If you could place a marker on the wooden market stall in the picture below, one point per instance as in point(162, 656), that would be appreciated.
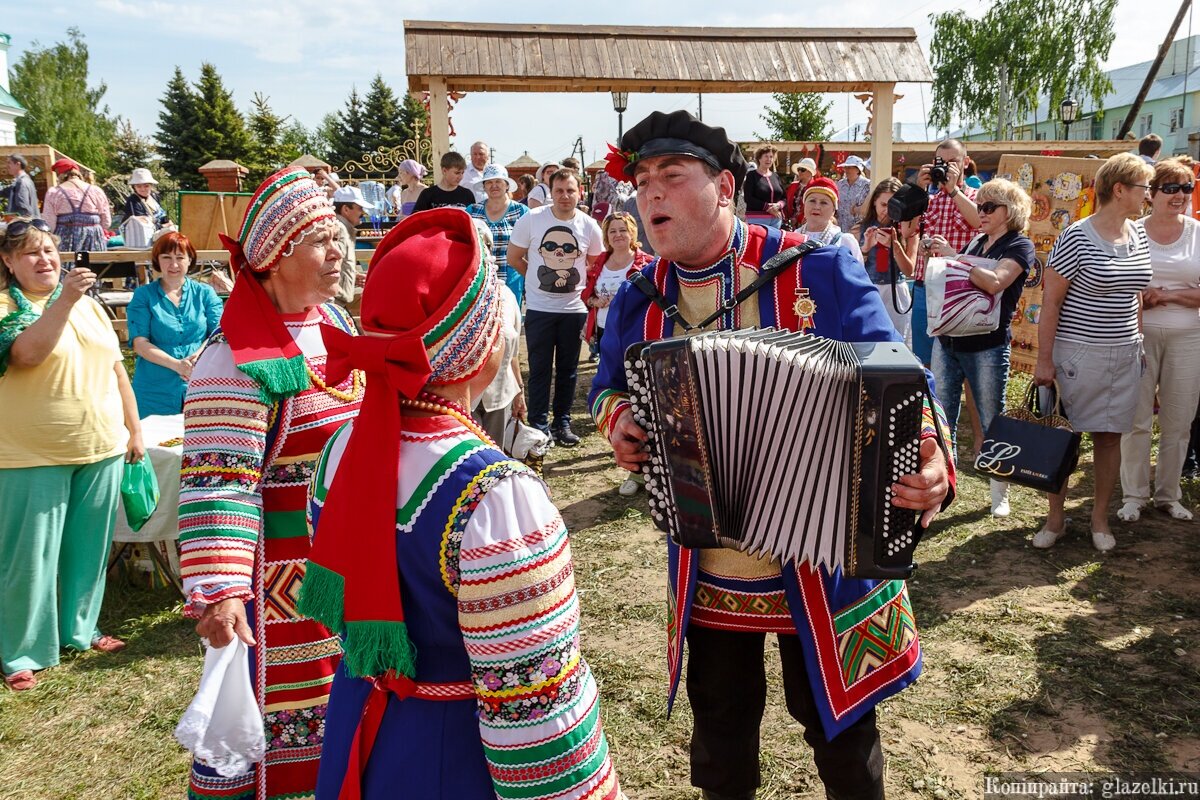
point(447, 59)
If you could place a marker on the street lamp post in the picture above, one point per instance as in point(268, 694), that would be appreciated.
point(620, 103)
point(1068, 111)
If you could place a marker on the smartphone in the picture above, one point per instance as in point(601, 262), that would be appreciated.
point(83, 259)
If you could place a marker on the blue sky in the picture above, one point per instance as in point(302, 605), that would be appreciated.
point(305, 55)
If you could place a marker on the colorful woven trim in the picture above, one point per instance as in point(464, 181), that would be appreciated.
point(460, 344)
point(284, 207)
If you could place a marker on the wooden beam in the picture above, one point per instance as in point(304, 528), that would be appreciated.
point(643, 31)
point(439, 119)
point(482, 83)
point(883, 102)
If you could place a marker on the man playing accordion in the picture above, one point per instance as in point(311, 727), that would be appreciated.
point(845, 644)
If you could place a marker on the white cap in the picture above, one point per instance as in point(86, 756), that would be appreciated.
point(351, 194)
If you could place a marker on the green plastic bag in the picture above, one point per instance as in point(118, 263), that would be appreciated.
point(139, 492)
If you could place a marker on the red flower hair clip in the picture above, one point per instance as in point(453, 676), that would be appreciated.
point(617, 161)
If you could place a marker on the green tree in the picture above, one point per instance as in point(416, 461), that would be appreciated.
point(177, 140)
point(131, 150)
point(348, 137)
point(269, 147)
point(382, 123)
point(413, 119)
point(300, 139)
point(800, 117)
point(1034, 47)
point(64, 112)
point(220, 129)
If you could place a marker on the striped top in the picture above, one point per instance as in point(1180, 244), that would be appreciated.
point(1101, 305)
point(501, 229)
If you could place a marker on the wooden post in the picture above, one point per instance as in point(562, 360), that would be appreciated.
point(882, 103)
point(439, 120)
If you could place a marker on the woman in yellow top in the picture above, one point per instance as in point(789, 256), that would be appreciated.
point(70, 418)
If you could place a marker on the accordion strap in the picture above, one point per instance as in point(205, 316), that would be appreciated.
point(775, 265)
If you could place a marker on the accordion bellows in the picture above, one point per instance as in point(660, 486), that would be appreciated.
point(783, 445)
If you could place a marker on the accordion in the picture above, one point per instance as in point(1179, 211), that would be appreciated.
point(782, 444)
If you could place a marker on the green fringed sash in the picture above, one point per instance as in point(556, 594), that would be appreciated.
point(16, 321)
point(277, 378)
point(370, 647)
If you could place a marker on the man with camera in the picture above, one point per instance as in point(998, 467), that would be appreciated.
point(951, 219)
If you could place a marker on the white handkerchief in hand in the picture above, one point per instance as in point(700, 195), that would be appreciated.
point(223, 727)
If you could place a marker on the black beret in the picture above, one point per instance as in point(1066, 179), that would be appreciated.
point(679, 133)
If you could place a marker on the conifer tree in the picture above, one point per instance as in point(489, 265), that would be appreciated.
point(131, 150)
point(177, 132)
point(348, 139)
point(269, 149)
point(382, 120)
point(219, 127)
point(413, 119)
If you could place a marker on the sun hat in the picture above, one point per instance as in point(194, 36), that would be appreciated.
point(494, 172)
point(805, 163)
point(542, 168)
point(142, 176)
point(853, 161)
point(435, 308)
point(822, 185)
point(352, 194)
point(286, 208)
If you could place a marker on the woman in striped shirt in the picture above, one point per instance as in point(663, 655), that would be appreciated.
point(1089, 335)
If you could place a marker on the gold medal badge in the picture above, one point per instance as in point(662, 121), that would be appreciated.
point(805, 308)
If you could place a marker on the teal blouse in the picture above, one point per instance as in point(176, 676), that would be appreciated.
point(178, 331)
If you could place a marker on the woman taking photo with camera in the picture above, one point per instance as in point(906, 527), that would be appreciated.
point(880, 241)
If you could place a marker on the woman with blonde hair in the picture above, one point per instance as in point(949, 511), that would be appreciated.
point(70, 419)
point(982, 361)
point(1089, 335)
point(1171, 328)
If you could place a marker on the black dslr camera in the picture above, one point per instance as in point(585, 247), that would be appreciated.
point(937, 172)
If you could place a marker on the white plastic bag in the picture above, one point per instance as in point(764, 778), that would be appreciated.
point(957, 307)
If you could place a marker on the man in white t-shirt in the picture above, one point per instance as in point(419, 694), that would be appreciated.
point(481, 155)
point(553, 246)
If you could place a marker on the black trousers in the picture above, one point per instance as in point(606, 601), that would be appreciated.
point(554, 344)
point(727, 688)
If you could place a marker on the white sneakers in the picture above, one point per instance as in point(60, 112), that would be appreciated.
point(1130, 512)
point(1000, 498)
point(629, 488)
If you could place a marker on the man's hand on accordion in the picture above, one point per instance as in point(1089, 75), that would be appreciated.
point(628, 441)
point(927, 489)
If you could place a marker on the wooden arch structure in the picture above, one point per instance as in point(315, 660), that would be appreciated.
point(446, 57)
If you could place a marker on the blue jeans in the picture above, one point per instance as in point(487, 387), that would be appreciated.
point(987, 373)
point(922, 344)
point(553, 341)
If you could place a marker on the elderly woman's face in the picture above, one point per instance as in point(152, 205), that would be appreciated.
point(143, 189)
point(993, 216)
point(766, 161)
point(496, 188)
point(310, 274)
point(36, 267)
point(818, 211)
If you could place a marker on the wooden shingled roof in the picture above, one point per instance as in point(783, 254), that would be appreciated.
point(588, 58)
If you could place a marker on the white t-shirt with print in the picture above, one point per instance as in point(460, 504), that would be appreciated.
point(558, 252)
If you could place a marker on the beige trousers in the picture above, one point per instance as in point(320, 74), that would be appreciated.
point(1173, 368)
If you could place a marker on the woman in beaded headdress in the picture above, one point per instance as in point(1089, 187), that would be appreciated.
point(258, 411)
point(440, 561)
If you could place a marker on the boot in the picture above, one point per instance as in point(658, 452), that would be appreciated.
point(999, 498)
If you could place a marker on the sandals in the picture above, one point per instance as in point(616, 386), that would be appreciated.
point(21, 681)
point(108, 644)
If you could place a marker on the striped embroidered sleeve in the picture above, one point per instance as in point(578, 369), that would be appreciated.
point(607, 408)
point(220, 502)
point(539, 708)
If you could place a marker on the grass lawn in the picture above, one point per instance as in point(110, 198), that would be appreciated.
point(1034, 660)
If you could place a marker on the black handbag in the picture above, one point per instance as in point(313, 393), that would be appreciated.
point(1031, 448)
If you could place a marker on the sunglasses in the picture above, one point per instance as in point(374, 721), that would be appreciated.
point(16, 230)
point(990, 207)
point(1176, 188)
point(566, 247)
